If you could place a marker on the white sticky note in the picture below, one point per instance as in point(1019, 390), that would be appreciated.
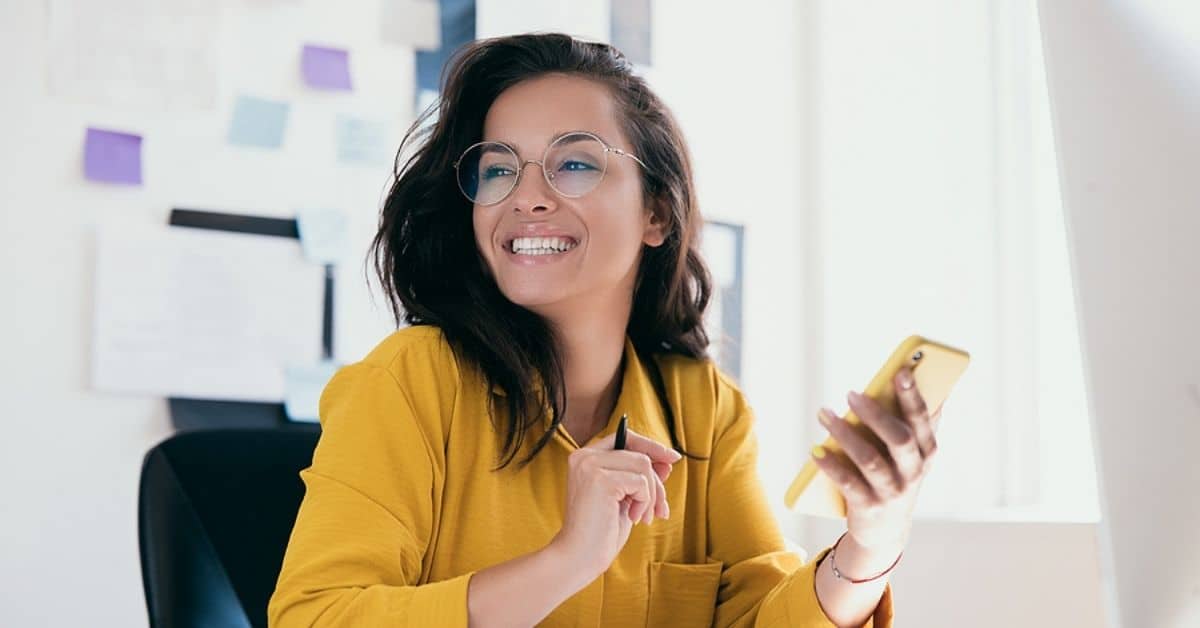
point(324, 234)
point(302, 389)
point(415, 23)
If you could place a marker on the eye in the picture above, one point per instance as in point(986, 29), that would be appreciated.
point(493, 172)
point(574, 165)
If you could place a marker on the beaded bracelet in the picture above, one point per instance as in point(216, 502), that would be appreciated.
point(838, 573)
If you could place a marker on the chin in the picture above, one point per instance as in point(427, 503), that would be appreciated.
point(532, 297)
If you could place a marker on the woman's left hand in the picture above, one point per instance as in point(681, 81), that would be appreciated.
point(881, 486)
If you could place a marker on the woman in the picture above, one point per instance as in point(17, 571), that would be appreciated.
point(466, 473)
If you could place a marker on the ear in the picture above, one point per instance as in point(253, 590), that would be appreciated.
point(656, 229)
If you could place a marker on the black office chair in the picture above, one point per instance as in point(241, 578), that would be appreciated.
point(215, 510)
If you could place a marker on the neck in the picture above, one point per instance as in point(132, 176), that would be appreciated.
point(592, 341)
point(590, 333)
point(592, 367)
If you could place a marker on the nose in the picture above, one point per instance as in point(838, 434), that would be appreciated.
point(532, 193)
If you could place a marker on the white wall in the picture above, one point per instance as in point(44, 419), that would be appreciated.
point(1125, 87)
point(71, 456)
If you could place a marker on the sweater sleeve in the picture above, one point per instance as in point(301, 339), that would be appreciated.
point(762, 584)
point(355, 553)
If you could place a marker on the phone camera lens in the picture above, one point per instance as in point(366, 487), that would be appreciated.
point(918, 355)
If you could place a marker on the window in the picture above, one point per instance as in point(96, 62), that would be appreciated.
point(934, 158)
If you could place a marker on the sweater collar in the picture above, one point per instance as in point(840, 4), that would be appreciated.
point(636, 398)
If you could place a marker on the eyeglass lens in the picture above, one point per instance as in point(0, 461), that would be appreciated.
point(573, 165)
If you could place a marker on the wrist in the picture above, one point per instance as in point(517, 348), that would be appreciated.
point(859, 561)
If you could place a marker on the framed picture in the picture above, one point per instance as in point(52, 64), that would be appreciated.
point(722, 245)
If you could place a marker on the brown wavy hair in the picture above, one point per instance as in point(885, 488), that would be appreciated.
point(432, 273)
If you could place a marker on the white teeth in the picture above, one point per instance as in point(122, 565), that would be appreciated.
point(541, 246)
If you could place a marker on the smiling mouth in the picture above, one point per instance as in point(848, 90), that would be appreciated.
point(540, 246)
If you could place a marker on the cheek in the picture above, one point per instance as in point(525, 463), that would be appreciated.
point(621, 231)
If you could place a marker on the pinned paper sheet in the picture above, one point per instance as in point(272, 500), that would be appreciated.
point(325, 68)
point(362, 141)
point(324, 235)
point(258, 122)
point(303, 387)
point(414, 23)
point(202, 314)
point(133, 53)
point(112, 157)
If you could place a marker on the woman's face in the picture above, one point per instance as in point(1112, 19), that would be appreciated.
point(607, 225)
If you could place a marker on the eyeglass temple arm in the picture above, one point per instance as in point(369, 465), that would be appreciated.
point(629, 155)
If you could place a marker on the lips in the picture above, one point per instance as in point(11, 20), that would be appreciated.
point(535, 230)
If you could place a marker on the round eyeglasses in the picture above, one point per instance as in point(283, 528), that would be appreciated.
point(573, 165)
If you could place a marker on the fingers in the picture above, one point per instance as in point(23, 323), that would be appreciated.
point(896, 435)
point(662, 469)
point(875, 467)
point(640, 463)
point(901, 456)
point(631, 485)
point(598, 461)
point(912, 405)
point(641, 444)
point(844, 474)
point(660, 458)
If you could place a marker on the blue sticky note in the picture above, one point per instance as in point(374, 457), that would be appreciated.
point(362, 141)
point(258, 122)
point(112, 156)
point(302, 389)
point(324, 234)
point(325, 68)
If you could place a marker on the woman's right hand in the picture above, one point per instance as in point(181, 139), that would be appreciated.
point(609, 490)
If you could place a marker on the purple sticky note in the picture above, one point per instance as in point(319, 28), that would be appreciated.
point(112, 156)
point(326, 68)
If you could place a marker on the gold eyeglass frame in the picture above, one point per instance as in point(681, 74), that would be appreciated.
point(608, 148)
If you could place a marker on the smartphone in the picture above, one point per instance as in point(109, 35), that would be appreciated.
point(935, 366)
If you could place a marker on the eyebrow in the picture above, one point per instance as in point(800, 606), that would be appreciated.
point(553, 138)
point(491, 148)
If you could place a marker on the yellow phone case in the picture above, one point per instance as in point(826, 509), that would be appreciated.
point(936, 367)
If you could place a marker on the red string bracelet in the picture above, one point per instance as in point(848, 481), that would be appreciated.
point(837, 572)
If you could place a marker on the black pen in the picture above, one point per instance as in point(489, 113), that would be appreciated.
point(621, 427)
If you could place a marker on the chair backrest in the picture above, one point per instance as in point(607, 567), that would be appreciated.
point(215, 511)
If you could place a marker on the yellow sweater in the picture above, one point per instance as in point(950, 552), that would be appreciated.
point(402, 507)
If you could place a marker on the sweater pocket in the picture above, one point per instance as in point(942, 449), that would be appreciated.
point(683, 594)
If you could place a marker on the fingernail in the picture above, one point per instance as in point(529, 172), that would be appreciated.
point(826, 416)
point(677, 455)
point(854, 397)
point(906, 380)
point(818, 452)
